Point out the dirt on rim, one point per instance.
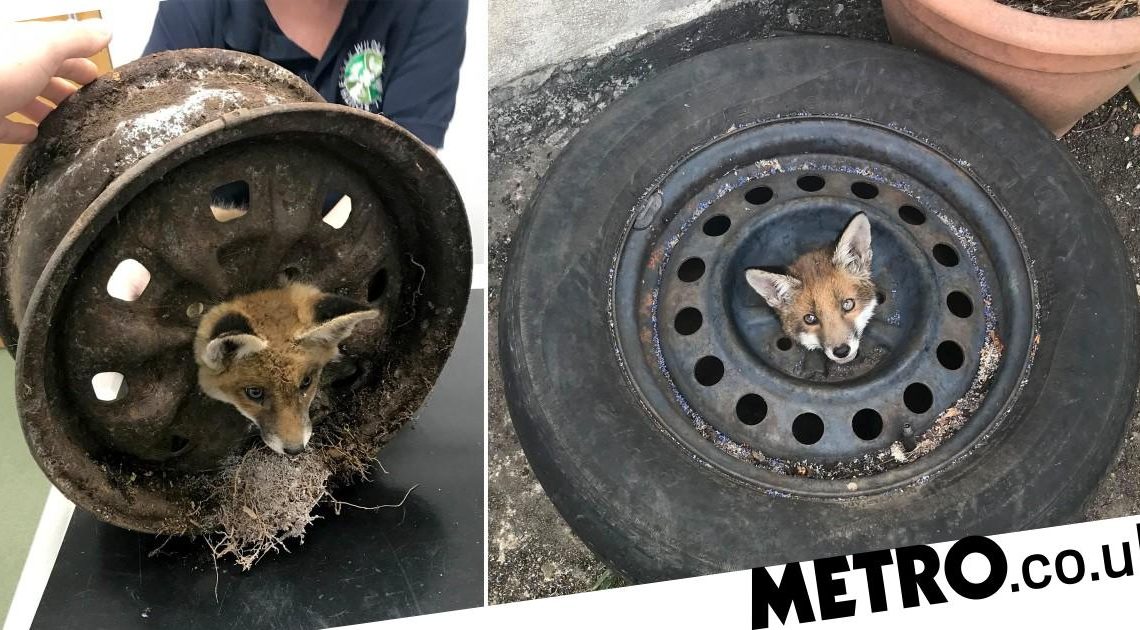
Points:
(532, 552)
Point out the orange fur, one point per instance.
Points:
(825, 287)
(827, 297)
(281, 356)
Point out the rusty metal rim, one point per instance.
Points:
(744, 336)
(142, 71)
(146, 509)
(674, 199)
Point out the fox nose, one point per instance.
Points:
(841, 351)
(295, 450)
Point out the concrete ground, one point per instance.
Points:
(527, 36)
(532, 117)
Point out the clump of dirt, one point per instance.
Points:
(1079, 9)
(268, 499)
(263, 499)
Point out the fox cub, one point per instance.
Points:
(827, 296)
(263, 353)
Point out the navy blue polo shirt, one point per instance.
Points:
(399, 58)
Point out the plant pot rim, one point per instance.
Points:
(1046, 34)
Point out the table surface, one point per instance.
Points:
(423, 557)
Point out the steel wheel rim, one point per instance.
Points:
(421, 200)
(668, 229)
(194, 261)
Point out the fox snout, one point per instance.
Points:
(291, 441)
(834, 333)
(277, 445)
(844, 352)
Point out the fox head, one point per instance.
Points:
(263, 353)
(827, 297)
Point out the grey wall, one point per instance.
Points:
(526, 35)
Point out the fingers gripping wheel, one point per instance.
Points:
(181, 181)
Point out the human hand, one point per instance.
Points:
(42, 59)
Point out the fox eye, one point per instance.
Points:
(305, 382)
(810, 319)
(848, 304)
(254, 393)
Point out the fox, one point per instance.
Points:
(263, 353)
(827, 297)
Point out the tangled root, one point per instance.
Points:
(271, 500)
(265, 499)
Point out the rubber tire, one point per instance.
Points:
(642, 502)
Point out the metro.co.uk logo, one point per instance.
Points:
(916, 569)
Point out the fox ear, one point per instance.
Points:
(853, 251)
(776, 289)
(231, 338)
(224, 350)
(335, 317)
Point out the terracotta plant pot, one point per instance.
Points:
(1059, 69)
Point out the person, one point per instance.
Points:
(46, 60)
(398, 58)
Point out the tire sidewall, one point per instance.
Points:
(642, 501)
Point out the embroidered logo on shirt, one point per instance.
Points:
(360, 84)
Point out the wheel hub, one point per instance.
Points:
(135, 175)
(712, 356)
(191, 258)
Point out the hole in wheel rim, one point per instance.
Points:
(864, 190)
(912, 215)
(945, 255)
(810, 183)
(759, 195)
(807, 428)
(230, 201)
(337, 210)
(688, 321)
(129, 280)
(918, 398)
(960, 304)
(109, 386)
(178, 443)
(751, 409)
(691, 270)
(717, 225)
(377, 285)
(708, 371)
(867, 424)
(950, 355)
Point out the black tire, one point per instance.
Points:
(643, 502)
